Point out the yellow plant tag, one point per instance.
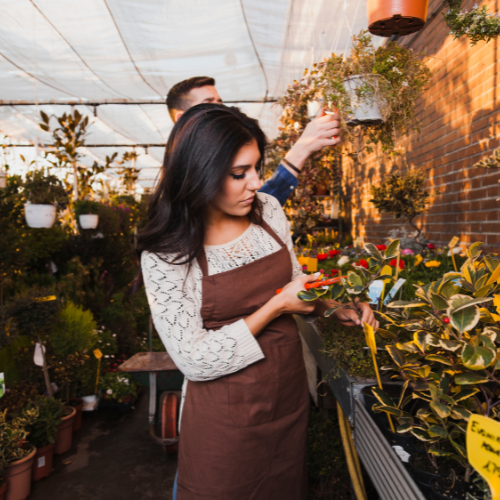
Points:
(98, 353)
(386, 270)
(370, 337)
(483, 450)
(453, 242)
(46, 299)
(312, 265)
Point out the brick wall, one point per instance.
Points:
(460, 125)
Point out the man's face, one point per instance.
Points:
(208, 93)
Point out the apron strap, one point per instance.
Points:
(202, 257)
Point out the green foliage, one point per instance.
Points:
(13, 434)
(43, 430)
(74, 332)
(117, 385)
(44, 188)
(402, 196)
(477, 25)
(83, 207)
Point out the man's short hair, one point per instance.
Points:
(177, 98)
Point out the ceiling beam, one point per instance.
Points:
(114, 102)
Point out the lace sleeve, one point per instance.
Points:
(174, 297)
(275, 216)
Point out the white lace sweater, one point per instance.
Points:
(175, 298)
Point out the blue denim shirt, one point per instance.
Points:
(281, 185)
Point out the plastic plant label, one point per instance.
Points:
(375, 291)
(394, 290)
(38, 356)
(98, 353)
(359, 242)
(370, 337)
(312, 265)
(2, 384)
(402, 454)
(40, 462)
(453, 241)
(483, 450)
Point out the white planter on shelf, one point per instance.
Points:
(40, 215)
(364, 112)
(89, 221)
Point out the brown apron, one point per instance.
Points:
(244, 435)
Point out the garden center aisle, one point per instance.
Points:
(112, 458)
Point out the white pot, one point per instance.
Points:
(364, 112)
(3, 180)
(90, 402)
(313, 108)
(40, 215)
(89, 221)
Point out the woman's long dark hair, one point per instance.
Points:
(199, 154)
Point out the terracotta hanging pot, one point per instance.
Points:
(396, 17)
(77, 404)
(18, 476)
(64, 436)
(42, 465)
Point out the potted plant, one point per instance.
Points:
(449, 358)
(396, 17)
(71, 339)
(43, 432)
(87, 212)
(44, 192)
(16, 455)
(118, 391)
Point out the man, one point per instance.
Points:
(321, 132)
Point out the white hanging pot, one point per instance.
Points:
(363, 112)
(89, 221)
(313, 108)
(40, 215)
(3, 180)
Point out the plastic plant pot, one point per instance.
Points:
(396, 17)
(77, 404)
(18, 476)
(89, 221)
(42, 465)
(424, 477)
(64, 437)
(40, 216)
(365, 111)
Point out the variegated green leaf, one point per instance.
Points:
(392, 250)
(473, 251)
(470, 378)
(421, 434)
(398, 304)
(436, 431)
(440, 453)
(374, 252)
(386, 334)
(397, 356)
(450, 345)
(459, 412)
(462, 318)
(465, 393)
(408, 346)
(438, 359)
(477, 357)
(441, 409)
(404, 428)
(307, 296)
(438, 301)
(382, 396)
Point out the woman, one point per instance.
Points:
(213, 255)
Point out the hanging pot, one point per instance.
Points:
(77, 404)
(42, 465)
(18, 476)
(396, 17)
(363, 111)
(3, 185)
(64, 436)
(40, 215)
(89, 221)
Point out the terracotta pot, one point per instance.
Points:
(64, 436)
(77, 422)
(396, 17)
(3, 487)
(18, 476)
(42, 466)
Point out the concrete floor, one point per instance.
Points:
(112, 458)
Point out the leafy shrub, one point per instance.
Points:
(45, 189)
(43, 430)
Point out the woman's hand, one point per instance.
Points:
(288, 302)
(349, 317)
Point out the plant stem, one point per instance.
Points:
(44, 367)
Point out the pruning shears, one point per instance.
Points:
(318, 284)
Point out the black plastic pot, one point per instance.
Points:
(460, 486)
(423, 478)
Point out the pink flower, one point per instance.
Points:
(407, 251)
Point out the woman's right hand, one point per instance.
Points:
(288, 302)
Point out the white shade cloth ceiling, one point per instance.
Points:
(134, 51)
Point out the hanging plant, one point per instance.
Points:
(393, 77)
(477, 25)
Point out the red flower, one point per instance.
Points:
(430, 246)
(333, 253)
(394, 262)
(363, 263)
(334, 272)
(322, 256)
(381, 247)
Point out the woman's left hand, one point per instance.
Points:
(349, 317)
